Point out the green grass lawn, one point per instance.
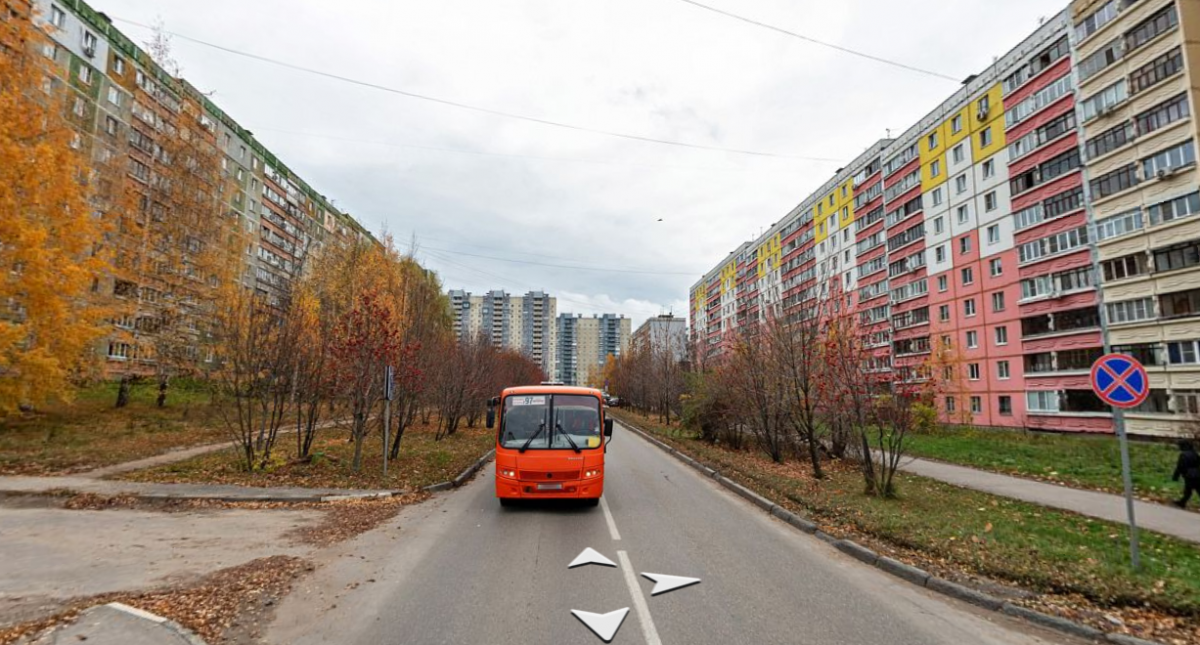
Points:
(1080, 461)
(945, 526)
(91, 432)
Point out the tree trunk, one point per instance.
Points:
(123, 391)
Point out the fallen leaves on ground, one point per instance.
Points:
(423, 461)
(346, 519)
(229, 598)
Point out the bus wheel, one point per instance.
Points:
(508, 501)
(594, 501)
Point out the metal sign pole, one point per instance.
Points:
(1126, 474)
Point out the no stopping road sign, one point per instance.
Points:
(1120, 380)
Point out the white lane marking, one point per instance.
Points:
(590, 556)
(612, 525)
(639, 601)
(665, 583)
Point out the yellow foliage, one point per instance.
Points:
(48, 234)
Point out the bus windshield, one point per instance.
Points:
(551, 422)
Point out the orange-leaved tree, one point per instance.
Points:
(48, 230)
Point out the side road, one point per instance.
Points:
(1106, 506)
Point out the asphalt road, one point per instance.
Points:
(461, 569)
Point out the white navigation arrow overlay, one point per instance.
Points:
(604, 625)
(664, 583)
(590, 556)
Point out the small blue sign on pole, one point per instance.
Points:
(1120, 380)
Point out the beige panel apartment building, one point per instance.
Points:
(1136, 72)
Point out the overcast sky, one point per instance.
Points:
(468, 184)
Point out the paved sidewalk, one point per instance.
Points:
(34, 485)
(1154, 517)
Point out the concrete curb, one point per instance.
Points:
(1053, 622)
(905, 572)
(473, 468)
(463, 476)
(118, 622)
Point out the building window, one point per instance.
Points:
(1002, 370)
(976, 405)
(956, 124)
(79, 108)
(993, 234)
(1180, 304)
(58, 17)
(998, 301)
(969, 307)
(997, 267)
(968, 276)
(1156, 71)
(114, 96)
(1041, 401)
(1109, 140)
(990, 202)
(949, 404)
(1174, 209)
(111, 126)
(973, 371)
(939, 225)
(957, 154)
(1105, 100)
(944, 313)
(1114, 182)
(89, 43)
(960, 184)
(985, 137)
(964, 214)
(1130, 310)
(933, 141)
(935, 168)
(942, 281)
(972, 339)
(989, 169)
(1005, 405)
(1163, 114)
(1180, 256)
(1169, 160)
(118, 65)
(85, 75)
(1120, 224)
(964, 245)
(1002, 335)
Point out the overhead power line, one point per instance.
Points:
(559, 266)
(822, 43)
(505, 155)
(466, 106)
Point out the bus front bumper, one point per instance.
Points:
(578, 489)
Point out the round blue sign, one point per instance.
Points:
(1120, 380)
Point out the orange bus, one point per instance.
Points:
(550, 443)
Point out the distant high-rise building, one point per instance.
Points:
(520, 323)
(663, 332)
(584, 345)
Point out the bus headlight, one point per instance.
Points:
(511, 474)
(588, 474)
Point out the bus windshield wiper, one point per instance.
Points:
(568, 438)
(541, 426)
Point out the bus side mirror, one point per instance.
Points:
(491, 418)
(608, 427)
